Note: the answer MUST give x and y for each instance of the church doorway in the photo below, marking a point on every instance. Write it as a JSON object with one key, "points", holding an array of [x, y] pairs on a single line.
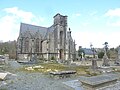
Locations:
{"points": [[61, 54]]}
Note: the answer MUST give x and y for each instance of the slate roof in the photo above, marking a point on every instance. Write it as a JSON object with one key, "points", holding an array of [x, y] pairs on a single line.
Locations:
{"points": [[33, 29], [88, 51], [49, 30]]}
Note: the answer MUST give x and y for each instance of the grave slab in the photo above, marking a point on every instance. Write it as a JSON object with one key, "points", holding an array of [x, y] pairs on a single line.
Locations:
{"points": [[96, 82]]}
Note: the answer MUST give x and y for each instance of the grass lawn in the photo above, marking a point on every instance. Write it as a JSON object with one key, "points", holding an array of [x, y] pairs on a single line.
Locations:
{"points": [[45, 68]]}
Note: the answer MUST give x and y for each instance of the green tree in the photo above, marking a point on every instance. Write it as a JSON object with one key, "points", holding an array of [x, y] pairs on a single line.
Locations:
{"points": [[80, 51], [8, 48], [113, 53], [100, 54]]}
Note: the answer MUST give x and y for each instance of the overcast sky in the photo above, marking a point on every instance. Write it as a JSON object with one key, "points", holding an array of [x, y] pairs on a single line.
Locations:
{"points": [[91, 21]]}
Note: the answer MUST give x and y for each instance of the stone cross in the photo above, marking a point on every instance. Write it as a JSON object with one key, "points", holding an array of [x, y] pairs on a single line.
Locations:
{"points": [[105, 57]]}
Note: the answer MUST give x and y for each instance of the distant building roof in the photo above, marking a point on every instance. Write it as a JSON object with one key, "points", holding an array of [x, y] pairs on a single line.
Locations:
{"points": [[88, 51]]}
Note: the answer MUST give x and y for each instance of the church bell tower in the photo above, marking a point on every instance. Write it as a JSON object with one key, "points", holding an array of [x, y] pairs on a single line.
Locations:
{"points": [[60, 25]]}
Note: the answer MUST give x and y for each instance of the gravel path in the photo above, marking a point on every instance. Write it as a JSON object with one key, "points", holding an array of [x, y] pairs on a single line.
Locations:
{"points": [[31, 81], [34, 81]]}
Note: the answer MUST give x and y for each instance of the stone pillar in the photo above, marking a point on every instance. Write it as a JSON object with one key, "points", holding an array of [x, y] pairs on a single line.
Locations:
{"points": [[66, 55], [58, 55], [58, 42], [105, 60], [47, 55], [105, 57], [33, 48], [48, 49]]}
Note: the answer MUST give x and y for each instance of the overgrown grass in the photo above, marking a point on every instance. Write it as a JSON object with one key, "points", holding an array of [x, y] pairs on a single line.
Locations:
{"points": [[49, 67]]}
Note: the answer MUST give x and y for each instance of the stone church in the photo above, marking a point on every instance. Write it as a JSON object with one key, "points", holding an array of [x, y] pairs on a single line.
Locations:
{"points": [[46, 42]]}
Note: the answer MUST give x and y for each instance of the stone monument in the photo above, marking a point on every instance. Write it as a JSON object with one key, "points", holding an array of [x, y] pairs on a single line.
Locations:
{"points": [[33, 58], [94, 62], [105, 60], [105, 57], [117, 61], [83, 59]]}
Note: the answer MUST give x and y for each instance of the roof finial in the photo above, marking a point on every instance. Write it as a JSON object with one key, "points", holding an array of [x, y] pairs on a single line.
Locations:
{"points": [[69, 30]]}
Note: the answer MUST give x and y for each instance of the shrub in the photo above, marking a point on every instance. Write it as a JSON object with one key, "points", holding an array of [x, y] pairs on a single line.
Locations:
{"points": [[100, 54], [52, 58]]}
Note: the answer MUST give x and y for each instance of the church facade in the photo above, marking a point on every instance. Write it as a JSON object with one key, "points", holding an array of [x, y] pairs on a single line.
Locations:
{"points": [[46, 42]]}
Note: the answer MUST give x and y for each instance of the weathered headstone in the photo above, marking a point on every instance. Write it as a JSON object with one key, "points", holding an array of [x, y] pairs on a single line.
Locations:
{"points": [[83, 61], [33, 58], [94, 64]]}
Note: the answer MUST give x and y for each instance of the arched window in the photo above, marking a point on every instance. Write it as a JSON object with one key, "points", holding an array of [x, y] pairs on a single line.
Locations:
{"points": [[61, 37], [37, 45], [26, 45]]}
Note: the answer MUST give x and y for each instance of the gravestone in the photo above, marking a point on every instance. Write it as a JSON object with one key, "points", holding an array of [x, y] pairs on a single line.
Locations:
{"points": [[97, 82], [94, 64], [83, 59], [32, 60]]}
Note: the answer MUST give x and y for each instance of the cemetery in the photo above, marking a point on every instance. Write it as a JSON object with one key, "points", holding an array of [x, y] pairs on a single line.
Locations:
{"points": [[42, 74], [78, 75], [46, 59], [59, 45]]}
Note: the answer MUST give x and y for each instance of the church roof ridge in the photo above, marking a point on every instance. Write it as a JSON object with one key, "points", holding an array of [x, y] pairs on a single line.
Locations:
{"points": [[33, 29], [33, 25]]}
